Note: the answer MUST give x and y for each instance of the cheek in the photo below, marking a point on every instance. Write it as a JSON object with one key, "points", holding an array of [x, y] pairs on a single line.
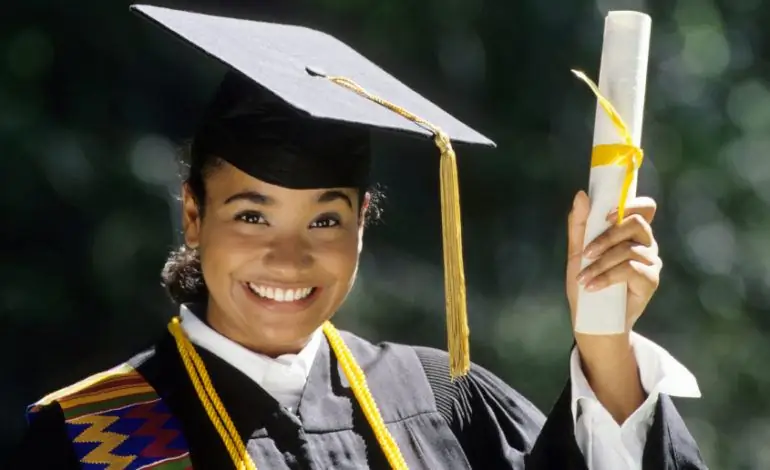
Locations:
{"points": [[339, 257], [222, 253]]}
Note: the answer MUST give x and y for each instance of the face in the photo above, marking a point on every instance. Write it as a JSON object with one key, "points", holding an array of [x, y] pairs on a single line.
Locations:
{"points": [[277, 262]]}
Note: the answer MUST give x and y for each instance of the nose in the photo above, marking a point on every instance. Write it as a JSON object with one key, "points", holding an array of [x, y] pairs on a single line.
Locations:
{"points": [[288, 256]]}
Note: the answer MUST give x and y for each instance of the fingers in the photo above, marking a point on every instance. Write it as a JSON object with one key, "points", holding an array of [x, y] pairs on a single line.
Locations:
{"points": [[576, 225], [622, 253], [644, 206], [633, 228], [642, 278], [627, 252]]}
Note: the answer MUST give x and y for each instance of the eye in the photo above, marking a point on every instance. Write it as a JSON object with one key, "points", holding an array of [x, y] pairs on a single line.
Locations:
{"points": [[326, 221], [251, 217]]}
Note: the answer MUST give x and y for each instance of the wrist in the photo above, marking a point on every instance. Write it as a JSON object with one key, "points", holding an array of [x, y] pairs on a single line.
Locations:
{"points": [[610, 367], [604, 353]]}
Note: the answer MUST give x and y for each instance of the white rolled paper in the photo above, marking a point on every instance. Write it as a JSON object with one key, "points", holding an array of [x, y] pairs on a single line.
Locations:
{"points": [[622, 80]]}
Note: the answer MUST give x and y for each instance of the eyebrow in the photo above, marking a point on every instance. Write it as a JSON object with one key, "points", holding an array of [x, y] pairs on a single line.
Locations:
{"points": [[330, 196], [251, 196], [259, 198]]}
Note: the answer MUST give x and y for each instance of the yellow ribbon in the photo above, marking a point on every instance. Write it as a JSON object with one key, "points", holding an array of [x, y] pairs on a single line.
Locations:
{"points": [[626, 154]]}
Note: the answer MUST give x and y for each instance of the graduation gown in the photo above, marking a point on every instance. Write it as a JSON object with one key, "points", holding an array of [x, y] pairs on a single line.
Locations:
{"points": [[477, 422]]}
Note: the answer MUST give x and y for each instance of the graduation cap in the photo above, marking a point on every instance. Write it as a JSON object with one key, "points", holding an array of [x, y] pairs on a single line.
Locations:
{"points": [[296, 108]]}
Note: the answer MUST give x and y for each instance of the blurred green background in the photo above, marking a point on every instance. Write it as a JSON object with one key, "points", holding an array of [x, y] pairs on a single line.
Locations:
{"points": [[94, 102]]}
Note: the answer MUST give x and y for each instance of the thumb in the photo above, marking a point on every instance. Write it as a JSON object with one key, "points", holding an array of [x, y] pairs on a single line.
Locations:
{"points": [[576, 225]]}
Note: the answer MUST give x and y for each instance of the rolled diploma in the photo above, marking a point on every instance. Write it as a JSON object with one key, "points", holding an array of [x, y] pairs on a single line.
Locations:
{"points": [[622, 80]]}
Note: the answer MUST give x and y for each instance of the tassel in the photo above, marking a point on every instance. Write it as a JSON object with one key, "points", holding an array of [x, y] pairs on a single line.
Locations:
{"points": [[454, 272]]}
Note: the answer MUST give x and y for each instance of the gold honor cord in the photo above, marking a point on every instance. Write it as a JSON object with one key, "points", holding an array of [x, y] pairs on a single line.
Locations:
{"points": [[210, 399], [454, 272], [626, 154], [357, 381], [224, 425]]}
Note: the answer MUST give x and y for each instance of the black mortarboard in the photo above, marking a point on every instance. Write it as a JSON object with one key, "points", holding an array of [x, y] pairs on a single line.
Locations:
{"points": [[296, 109]]}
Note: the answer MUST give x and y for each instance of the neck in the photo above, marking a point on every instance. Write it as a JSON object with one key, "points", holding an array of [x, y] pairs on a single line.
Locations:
{"points": [[238, 331]]}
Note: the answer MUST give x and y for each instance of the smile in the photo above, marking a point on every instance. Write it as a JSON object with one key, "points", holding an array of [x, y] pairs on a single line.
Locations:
{"points": [[280, 295]]}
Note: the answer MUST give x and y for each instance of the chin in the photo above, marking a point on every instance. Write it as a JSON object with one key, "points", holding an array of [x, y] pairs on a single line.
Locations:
{"points": [[281, 324], [276, 339]]}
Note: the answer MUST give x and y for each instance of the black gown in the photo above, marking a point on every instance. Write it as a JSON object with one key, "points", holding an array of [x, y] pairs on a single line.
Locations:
{"points": [[477, 422]]}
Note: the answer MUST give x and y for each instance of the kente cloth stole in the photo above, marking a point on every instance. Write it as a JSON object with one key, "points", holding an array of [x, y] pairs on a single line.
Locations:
{"points": [[117, 421]]}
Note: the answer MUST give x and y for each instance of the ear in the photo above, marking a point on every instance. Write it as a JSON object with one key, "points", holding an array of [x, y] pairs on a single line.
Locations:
{"points": [[191, 218], [362, 220], [364, 209]]}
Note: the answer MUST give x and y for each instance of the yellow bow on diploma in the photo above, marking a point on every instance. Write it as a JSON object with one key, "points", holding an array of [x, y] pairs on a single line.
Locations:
{"points": [[626, 154]]}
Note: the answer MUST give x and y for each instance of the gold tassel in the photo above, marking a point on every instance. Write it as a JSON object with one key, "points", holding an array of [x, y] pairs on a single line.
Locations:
{"points": [[454, 273]]}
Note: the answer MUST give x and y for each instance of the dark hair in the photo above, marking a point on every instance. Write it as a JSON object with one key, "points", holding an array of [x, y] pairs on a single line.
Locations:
{"points": [[182, 276]]}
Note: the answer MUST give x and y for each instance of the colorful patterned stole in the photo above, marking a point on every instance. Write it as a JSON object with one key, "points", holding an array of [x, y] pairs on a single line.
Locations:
{"points": [[116, 421]]}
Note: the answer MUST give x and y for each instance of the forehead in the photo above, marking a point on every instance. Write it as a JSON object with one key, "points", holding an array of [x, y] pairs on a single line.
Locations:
{"points": [[226, 180]]}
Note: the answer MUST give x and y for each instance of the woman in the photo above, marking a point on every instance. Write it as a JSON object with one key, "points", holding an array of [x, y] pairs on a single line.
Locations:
{"points": [[252, 375]]}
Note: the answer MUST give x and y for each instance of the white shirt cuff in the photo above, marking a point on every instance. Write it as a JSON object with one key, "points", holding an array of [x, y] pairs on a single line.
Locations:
{"points": [[604, 443]]}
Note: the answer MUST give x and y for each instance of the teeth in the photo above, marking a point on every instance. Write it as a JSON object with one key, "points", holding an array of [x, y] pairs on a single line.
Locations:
{"points": [[280, 295]]}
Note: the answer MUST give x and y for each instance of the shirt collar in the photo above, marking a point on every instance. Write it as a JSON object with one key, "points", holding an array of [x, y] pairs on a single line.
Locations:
{"points": [[658, 370], [285, 374]]}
